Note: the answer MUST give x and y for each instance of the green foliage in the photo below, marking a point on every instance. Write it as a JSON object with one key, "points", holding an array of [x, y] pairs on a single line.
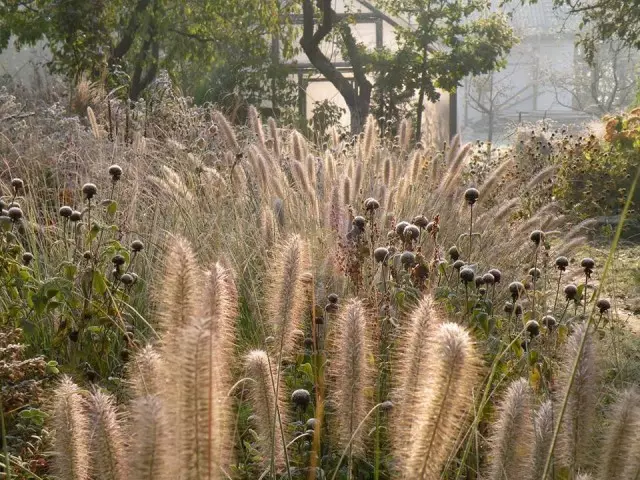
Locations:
{"points": [[326, 114]]}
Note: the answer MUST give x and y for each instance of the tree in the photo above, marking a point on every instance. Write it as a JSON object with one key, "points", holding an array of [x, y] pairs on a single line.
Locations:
{"points": [[446, 45], [140, 37]]}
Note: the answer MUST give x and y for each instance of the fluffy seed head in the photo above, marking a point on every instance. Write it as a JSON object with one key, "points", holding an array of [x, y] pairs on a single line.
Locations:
{"points": [[562, 263], [116, 172], [371, 204], [471, 196], [137, 246], [516, 289], [537, 236], [411, 232], [89, 190], [65, 211], [454, 253], [488, 279], [420, 221], [467, 275], [107, 439], [380, 254], [400, 227], [458, 264], [17, 184], [570, 291], [532, 328], [603, 305], [497, 275]]}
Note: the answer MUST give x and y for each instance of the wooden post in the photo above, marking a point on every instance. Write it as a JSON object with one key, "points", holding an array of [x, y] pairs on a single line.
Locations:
{"points": [[379, 33], [302, 96]]}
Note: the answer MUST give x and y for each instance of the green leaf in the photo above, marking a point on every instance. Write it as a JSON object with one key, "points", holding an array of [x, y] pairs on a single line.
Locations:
{"points": [[112, 208], [307, 370], [99, 283]]}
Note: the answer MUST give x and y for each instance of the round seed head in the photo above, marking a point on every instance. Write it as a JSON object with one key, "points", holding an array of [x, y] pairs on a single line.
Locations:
{"points": [[27, 258], [549, 322], [516, 289], [479, 281], [430, 226], [3, 204], [118, 260], [311, 424], [134, 276], [588, 263], [518, 309], [458, 264], [127, 279], [116, 172], [359, 222], [533, 328], [488, 278], [371, 204], [508, 307], [73, 335], [535, 273], [15, 213], [301, 398], [537, 236], [471, 195], [482, 290], [89, 190], [87, 255], [467, 275], [4, 213], [400, 227], [380, 254], [454, 253], [17, 184], [75, 216], [308, 342], [65, 211], [570, 291], [408, 259], [496, 275], [411, 232], [420, 221], [386, 406], [562, 263], [333, 298], [603, 305], [331, 308], [137, 246]]}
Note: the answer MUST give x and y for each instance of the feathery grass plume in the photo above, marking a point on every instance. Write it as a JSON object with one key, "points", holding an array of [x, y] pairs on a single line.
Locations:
{"points": [[93, 122], [542, 176], [441, 411], [387, 171], [226, 130], [330, 168], [575, 434], [259, 167], [256, 125], [497, 214], [150, 440], [285, 292], [405, 134], [144, 372], [204, 412], [335, 138], [584, 476], [267, 225], [493, 179], [370, 138], [71, 432], [296, 146], [632, 469], [335, 210], [273, 129], [350, 373], [108, 461], [357, 181], [278, 212], [346, 190], [412, 360], [311, 171], [178, 297], [620, 442], [455, 168], [264, 402], [416, 163], [172, 185], [543, 432], [300, 177], [513, 432], [220, 305]]}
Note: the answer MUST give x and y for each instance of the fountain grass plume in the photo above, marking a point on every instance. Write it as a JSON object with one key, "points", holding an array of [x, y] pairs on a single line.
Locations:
{"points": [[150, 449], [108, 459], [370, 137], [275, 138], [265, 405], [227, 132], [256, 125], [440, 414], [576, 434], [144, 372], [71, 432], [543, 431], [178, 297], [220, 306], [512, 435], [285, 299], [350, 374], [620, 450]]}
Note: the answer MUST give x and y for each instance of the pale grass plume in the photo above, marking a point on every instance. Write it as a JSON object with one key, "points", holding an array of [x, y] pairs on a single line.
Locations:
{"points": [[330, 168], [256, 125], [346, 190], [416, 165], [108, 459], [298, 146], [350, 374], [265, 405], [311, 171], [387, 173], [584, 476], [275, 138], [488, 186], [178, 296], [220, 306], [576, 432], [357, 181], [268, 227], [543, 432], [405, 134], [443, 408], [335, 213], [200, 393], [226, 130], [172, 185], [71, 432], [145, 372], [510, 454], [259, 167], [151, 438], [95, 130], [335, 138], [456, 166], [301, 178], [620, 450], [370, 137], [285, 299]]}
